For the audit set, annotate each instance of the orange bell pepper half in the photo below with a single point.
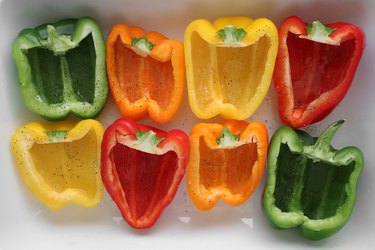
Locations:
(226, 162)
(146, 73)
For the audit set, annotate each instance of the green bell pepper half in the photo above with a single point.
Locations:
(61, 68)
(310, 184)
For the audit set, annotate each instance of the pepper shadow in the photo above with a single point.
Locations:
(73, 214)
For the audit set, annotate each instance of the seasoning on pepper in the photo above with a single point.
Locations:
(61, 68)
(146, 73)
(53, 164)
(229, 65)
(226, 162)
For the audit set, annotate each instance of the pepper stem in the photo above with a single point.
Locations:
(227, 139)
(324, 141)
(318, 29)
(318, 32)
(142, 46)
(231, 34)
(56, 135)
(59, 44)
(147, 141)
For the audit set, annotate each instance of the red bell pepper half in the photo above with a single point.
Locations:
(314, 68)
(141, 169)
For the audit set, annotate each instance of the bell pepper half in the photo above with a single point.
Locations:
(142, 168)
(146, 73)
(229, 65)
(61, 68)
(60, 162)
(226, 162)
(314, 68)
(310, 184)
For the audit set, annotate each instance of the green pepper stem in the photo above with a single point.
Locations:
(318, 29)
(56, 135)
(227, 139)
(318, 32)
(149, 139)
(324, 141)
(142, 45)
(59, 44)
(231, 34)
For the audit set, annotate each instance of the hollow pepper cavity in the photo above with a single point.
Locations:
(226, 162)
(61, 68)
(142, 168)
(310, 184)
(146, 73)
(229, 65)
(314, 68)
(51, 161)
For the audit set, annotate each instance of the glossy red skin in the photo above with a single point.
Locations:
(141, 189)
(322, 105)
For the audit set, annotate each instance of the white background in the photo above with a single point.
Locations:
(26, 224)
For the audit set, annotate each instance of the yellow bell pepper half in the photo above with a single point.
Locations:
(229, 65)
(60, 162)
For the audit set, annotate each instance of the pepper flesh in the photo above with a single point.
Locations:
(226, 162)
(309, 183)
(51, 161)
(225, 76)
(314, 72)
(145, 78)
(61, 68)
(142, 168)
